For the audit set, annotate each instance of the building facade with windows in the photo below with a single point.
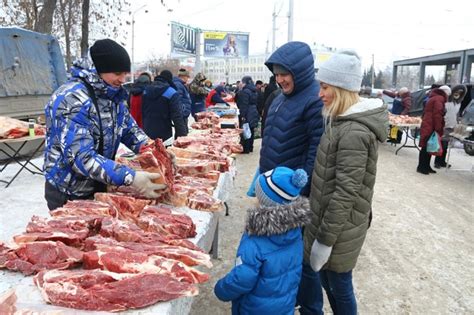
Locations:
(231, 70)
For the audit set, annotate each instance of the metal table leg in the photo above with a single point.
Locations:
(15, 157)
(215, 243)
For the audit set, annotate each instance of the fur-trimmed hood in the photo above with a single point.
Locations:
(269, 221)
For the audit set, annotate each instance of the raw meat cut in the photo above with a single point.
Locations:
(190, 167)
(188, 256)
(202, 201)
(108, 291)
(161, 219)
(127, 207)
(123, 260)
(84, 207)
(190, 154)
(30, 258)
(154, 158)
(129, 232)
(13, 128)
(69, 230)
(7, 302)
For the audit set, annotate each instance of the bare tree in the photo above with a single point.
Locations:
(44, 22)
(69, 14)
(85, 27)
(159, 63)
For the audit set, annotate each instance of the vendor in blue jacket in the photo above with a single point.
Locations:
(86, 120)
(269, 259)
(294, 123)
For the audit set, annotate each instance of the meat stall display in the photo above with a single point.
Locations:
(122, 251)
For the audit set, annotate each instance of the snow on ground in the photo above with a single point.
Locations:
(417, 258)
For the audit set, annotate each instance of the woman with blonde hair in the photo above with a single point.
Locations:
(342, 186)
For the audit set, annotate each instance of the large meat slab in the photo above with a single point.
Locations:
(100, 290)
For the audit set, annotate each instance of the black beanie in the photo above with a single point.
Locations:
(167, 75)
(109, 56)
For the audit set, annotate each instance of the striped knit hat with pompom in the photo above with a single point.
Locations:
(280, 186)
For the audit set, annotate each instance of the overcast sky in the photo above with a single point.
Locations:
(390, 30)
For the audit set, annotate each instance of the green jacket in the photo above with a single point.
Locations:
(343, 182)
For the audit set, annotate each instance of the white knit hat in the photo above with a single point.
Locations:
(343, 70)
(446, 89)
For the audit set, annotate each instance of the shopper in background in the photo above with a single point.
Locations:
(136, 95)
(403, 96)
(267, 268)
(198, 93)
(180, 82)
(162, 109)
(271, 91)
(432, 121)
(208, 85)
(86, 120)
(247, 104)
(216, 96)
(342, 186)
(294, 124)
(450, 120)
(260, 102)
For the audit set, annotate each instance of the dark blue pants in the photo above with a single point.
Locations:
(340, 292)
(310, 293)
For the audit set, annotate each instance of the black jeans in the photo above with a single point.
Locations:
(247, 144)
(56, 199)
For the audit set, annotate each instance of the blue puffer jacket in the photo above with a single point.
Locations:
(184, 95)
(294, 124)
(247, 104)
(269, 260)
(71, 160)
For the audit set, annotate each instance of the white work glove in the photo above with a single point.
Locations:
(144, 185)
(319, 255)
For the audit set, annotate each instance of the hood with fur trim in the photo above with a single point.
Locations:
(268, 221)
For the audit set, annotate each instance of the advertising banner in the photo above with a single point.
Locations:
(226, 44)
(183, 39)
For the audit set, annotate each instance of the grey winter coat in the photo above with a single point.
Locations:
(343, 182)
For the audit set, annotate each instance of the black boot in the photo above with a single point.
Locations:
(424, 162)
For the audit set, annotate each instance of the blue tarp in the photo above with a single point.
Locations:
(30, 63)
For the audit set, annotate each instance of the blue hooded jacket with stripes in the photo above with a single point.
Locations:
(71, 160)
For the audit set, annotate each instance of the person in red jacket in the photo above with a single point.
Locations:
(433, 120)
(136, 94)
(216, 96)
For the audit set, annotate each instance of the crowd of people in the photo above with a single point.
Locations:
(313, 183)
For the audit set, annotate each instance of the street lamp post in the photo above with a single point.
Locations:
(133, 40)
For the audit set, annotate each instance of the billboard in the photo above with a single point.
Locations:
(226, 44)
(183, 39)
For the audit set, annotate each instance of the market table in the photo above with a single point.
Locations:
(207, 228)
(406, 130)
(452, 137)
(16, 150)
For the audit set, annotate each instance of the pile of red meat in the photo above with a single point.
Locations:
(133, 254)
(403, 120)
(191, 181)
(14, 128)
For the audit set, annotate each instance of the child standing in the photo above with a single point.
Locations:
(269, 259)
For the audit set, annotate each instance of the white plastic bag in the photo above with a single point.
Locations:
(247, 133)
